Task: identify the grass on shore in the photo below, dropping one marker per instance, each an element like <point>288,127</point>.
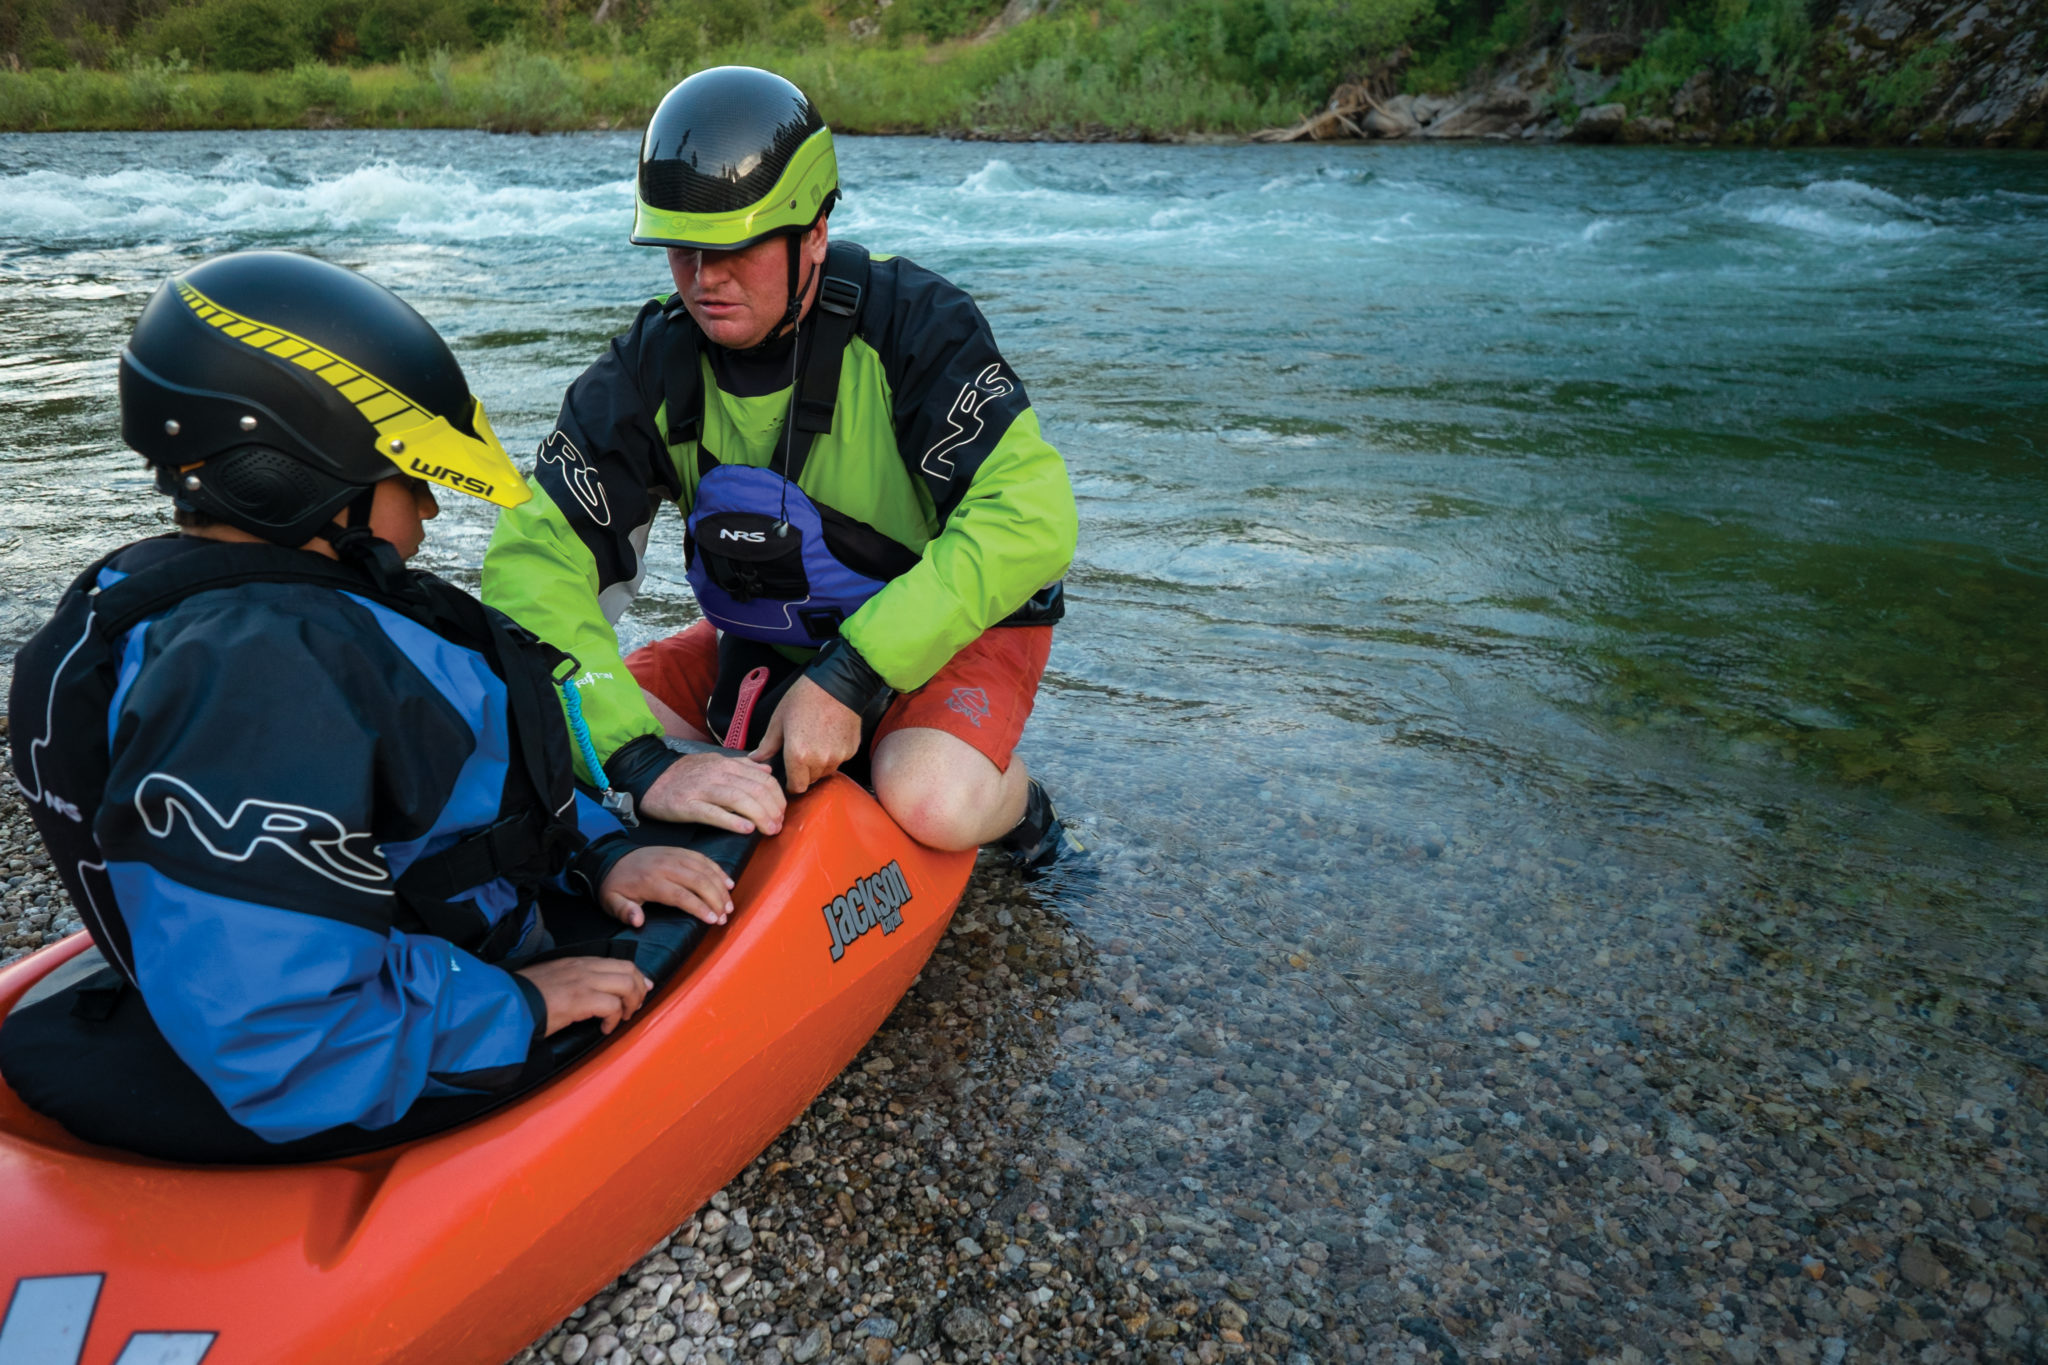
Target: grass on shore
<point>513,89</point>
<point>1040,79</point>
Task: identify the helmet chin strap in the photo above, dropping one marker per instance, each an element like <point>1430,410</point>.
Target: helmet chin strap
<point>357,545</point>
<point>795,307</point>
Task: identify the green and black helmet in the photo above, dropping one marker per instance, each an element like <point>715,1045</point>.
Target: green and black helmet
<point>271,390</point>
<point>732,155</point>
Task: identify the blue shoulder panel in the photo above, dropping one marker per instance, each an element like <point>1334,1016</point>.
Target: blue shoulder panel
<point>478,695</point>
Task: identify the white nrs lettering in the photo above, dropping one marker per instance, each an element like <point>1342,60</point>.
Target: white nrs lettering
<point>755,537</point>
<point>60,805</point>
<point>876,899</point>
<point>313,838</point>
<point>578,477</point>
<point>964,422</point>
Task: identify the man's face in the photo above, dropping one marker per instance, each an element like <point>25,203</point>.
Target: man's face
<point>738,297</point>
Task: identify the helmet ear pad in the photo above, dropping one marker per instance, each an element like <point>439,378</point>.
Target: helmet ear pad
<point>262,491</point>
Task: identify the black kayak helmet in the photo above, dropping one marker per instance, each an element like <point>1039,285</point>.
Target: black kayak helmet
<point>732,156</point>
<point>270,390</point>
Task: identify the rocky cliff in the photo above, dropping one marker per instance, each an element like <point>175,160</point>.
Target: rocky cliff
<point>1957,72</point>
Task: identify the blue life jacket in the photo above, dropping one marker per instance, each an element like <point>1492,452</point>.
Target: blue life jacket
<point>767,562</point>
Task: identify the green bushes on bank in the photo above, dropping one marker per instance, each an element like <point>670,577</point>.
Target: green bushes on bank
<point>1145,68</point>
<point>1765,39</point>
<point>1152,66</point>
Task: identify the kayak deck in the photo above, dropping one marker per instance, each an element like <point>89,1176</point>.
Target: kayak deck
<point>469,1244</point>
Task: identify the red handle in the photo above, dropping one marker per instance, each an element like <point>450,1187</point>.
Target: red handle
<point>751,688</point>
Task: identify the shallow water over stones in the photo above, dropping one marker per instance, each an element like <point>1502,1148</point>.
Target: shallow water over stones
<point>1553,692</point>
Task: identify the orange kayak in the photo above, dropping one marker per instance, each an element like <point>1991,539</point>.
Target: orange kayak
<point>468,1245</point>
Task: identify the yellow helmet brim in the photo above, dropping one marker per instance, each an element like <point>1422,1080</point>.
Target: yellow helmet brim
<point>449,458</point>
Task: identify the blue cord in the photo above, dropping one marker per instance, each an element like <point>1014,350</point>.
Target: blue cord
<point>580,728</point>
<point>619,803</point>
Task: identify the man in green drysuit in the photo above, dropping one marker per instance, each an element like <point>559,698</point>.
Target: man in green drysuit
<point>875,528</point>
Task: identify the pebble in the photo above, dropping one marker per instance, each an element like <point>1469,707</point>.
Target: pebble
<point>966,1326</point>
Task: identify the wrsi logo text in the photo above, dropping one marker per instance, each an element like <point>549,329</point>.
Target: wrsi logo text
<point>874,899</point>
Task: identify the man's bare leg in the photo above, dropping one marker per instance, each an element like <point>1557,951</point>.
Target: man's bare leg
<point>944,791</point>
<point>673,725</point>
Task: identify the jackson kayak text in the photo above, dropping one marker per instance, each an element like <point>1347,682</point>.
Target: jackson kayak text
<point>874,899</point>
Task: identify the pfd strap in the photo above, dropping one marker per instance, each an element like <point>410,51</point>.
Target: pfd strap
<point>840,295</point>
<point>510,848</point>
<point>682,377</point>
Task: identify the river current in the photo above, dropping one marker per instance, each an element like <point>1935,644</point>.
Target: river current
<point>1557,661</point>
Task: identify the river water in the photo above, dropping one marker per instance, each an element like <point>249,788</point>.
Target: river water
<point>1556,684</point>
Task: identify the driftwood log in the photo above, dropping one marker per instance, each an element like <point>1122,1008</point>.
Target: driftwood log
<point>1343,117</point>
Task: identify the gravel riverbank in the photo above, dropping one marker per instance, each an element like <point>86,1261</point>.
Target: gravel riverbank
<point>1610,1144</point>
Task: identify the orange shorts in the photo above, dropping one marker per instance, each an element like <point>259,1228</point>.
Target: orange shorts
<point>983,695</point>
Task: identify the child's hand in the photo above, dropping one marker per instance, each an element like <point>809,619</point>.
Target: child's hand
<point>680,877</point>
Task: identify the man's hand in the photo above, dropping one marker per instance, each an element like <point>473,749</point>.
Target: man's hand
<point>732,793</point>
<point>813,732</point>
<point>681,877</point>
<point>588,988</point>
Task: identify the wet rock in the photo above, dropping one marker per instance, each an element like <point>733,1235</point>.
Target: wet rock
<point>810,1345</point>
<point>1694,102</point>
<point>1918,1263</point>
<point>1495,110</point>
<point>1601,123</point>
<point>966,1326</point>
<point>1384,123</point>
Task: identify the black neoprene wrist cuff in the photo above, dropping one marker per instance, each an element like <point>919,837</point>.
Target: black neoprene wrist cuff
<point>847,679</point>
<point>596,860</point>
<point>635,765</point>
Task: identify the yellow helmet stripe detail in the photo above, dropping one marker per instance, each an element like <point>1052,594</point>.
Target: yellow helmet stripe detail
<point>393,411</point>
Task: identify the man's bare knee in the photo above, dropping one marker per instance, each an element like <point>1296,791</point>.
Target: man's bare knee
<point>944,792</point>
<point>934,808</point>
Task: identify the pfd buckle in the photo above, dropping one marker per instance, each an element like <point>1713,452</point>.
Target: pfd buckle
<point>839,296</point>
